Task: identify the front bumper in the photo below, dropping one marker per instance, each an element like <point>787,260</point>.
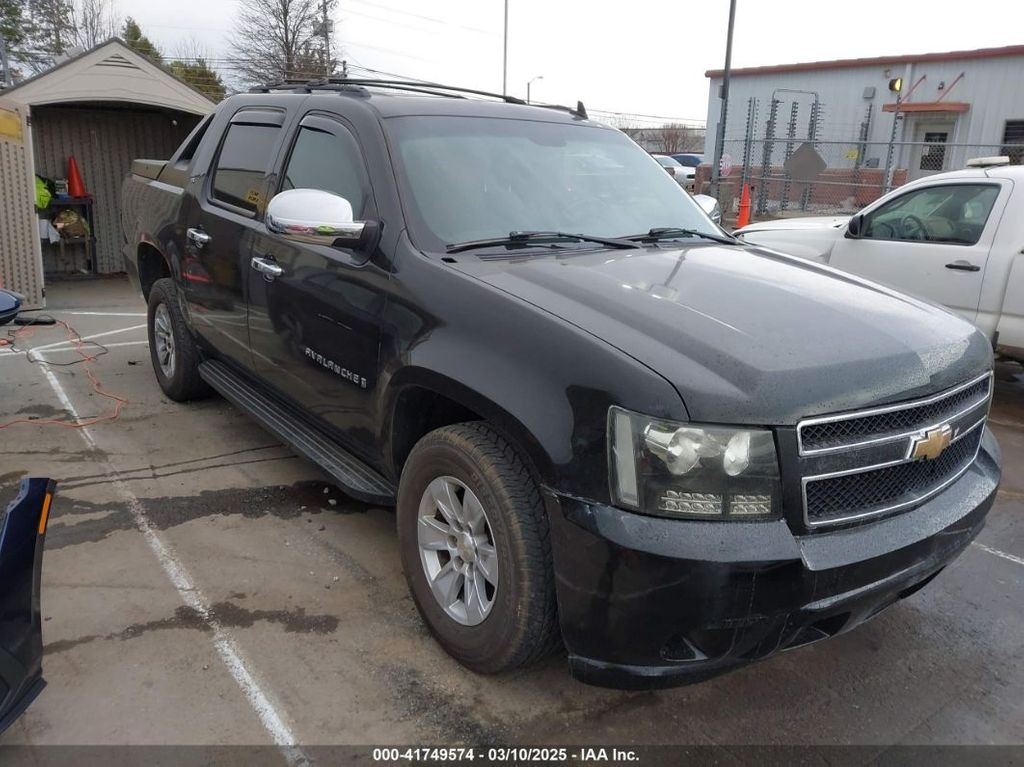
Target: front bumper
<point>649,602</point>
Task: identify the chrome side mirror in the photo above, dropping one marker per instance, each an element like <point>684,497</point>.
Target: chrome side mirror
<point>313,216</point>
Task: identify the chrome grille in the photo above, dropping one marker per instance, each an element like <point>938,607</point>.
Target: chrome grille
<point>837,432</point>
<point>890,487</point>
<point>862,464</point>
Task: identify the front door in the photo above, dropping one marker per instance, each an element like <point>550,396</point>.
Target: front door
<point>315,326</point>
<point>932,242</point>
<point>929,153</point>
<point>219,233</point>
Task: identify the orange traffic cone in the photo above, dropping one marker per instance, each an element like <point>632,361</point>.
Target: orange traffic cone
<point>76,188</point>
<point>743,214</point>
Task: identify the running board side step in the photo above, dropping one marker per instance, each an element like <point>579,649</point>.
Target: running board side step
<point>288,425</point>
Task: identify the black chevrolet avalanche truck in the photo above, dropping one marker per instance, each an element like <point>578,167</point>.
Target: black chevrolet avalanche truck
<point>604,423</point>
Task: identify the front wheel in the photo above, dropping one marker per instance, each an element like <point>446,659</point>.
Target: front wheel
<point>473,536</point>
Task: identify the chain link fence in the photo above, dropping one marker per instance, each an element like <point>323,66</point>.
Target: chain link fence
<point>798,162</point>
<point>852,173</point>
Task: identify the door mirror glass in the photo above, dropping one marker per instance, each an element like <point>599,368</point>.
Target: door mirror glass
<point>853,229</point>
<point>314,216</point>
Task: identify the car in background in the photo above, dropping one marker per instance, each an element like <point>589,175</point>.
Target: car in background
<point>710,206</point>
<point>22,535</point>
<point>683,175</point>
<point>688,159</point>
<point>953,238</point>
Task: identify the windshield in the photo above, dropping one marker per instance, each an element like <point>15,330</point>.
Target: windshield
<point>476,178</point>
<point>668,162</point>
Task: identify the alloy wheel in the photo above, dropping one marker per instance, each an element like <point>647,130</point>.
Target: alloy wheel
<point>457,550</point>
<point>163,337</point>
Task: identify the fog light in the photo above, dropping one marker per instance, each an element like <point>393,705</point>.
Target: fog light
<point>750,505</point>
<point>709,504</point>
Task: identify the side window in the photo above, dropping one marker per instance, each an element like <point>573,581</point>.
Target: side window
<point>189,146</point>
<point>330,161</point>
<point>953,214</point>
<point>244,157</point>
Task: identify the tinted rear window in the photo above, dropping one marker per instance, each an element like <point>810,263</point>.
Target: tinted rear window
<point>243,161</point>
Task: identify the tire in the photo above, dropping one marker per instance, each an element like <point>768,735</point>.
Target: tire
<point>520,625</point>
<point>179,378</point>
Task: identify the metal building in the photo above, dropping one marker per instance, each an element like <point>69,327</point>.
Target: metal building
<point>106,107</point>
<point>950,107</point>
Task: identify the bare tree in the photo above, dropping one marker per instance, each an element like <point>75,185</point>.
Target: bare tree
<point>95,21</point>
<point>280,39</point>
<point>676,138</point>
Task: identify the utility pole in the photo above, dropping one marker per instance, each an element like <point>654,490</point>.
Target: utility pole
<point>716,166</point>
<point>504,57</point>
<point>5,63</point>
<point>327,40</point>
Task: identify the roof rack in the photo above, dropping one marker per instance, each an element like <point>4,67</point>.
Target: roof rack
<point>359,85</point>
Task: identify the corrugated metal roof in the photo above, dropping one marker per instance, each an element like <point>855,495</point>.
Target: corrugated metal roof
<point>111,72</point>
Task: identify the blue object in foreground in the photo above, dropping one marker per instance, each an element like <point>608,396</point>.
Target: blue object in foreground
<point>22,534</point>
<point>10,305</point>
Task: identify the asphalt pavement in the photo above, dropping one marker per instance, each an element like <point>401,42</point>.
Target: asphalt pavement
<point>202,585</point>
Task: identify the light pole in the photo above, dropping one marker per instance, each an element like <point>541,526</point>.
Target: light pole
<point>530,82</point>
<point>504,57</point>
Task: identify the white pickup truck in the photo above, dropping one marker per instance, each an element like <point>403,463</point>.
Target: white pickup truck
<point>955,238</point>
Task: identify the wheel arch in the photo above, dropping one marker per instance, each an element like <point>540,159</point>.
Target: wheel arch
<point>153,265</point>
<point>420,400</point>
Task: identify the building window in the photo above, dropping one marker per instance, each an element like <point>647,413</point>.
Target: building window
<point>1013,141</point>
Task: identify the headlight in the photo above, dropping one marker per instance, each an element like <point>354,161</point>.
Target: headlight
<point>690,470</point>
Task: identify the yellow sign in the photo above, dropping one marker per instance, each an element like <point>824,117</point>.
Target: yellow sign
<point>851,154</point>
<point>10,126</point>
<point>931,445</point>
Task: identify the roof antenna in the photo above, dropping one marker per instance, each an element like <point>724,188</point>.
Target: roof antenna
<point>581,111</point>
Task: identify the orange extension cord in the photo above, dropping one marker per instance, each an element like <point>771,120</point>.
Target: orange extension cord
<point>88,359</point>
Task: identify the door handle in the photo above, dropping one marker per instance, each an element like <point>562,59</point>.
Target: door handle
<point>963,266</point>
<point>197,237</point>
<point>266,267</point>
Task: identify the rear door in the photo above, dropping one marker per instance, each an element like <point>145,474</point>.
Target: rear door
<point>22,529</point>
<point>932,241</point>
<point>315,327</point>
<point>220,228</point>
<point>21,256</point>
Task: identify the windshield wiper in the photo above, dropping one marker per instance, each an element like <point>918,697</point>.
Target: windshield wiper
<point>674,232</point>
<point>538,238</point>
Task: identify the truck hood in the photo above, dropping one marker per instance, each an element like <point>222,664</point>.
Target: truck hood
<point>807,222</point>
<point>749,336</point>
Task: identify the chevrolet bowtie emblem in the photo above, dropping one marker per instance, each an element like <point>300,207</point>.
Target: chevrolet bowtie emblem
<point>931,445</point>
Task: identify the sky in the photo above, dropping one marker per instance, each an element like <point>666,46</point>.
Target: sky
<point>642,57</point>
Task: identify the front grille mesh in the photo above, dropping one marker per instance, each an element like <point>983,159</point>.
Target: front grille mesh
<point>853,494</point>
<point>832,434</point>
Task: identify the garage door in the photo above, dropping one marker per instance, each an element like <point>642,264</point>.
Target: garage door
<point>21,258</point>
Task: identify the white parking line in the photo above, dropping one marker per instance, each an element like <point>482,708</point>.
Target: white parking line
<point>104,314</point>
<point>193,597</point>
<point>65,342</point>
<point>69,348</point>
<point>998,553</point>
